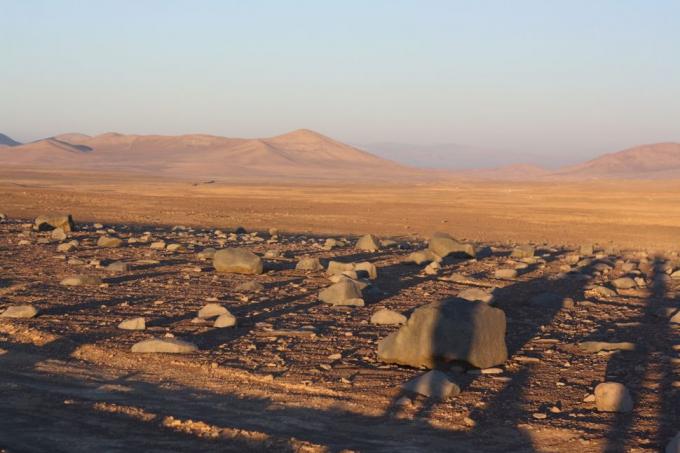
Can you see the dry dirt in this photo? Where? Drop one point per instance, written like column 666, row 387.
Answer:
column 69, row 382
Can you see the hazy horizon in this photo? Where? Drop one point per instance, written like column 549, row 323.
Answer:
column 561, row 82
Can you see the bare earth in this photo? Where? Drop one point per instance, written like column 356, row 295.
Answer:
column 69, row 382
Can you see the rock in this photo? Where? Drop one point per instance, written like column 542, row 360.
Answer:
column 164, row 345
column 19, row 311
column 603, row 291
column 675, row 319
column 432, row 268
column 67, row 246
column 157, row 245
column 368, row 268
column 368, row 243
column 118, row 266
column 420, row 257
column 309, row 264
column 49, row 223
column 597, row 346
column 211, row 311
column 330, row 244
column 58, row 234
column 441, row 244
column 345, row 292
column 523, row 251
column 586, row 249
column 336, row 267
column 175, row 248
column 476, row 294
column 674, row 444
column 109, row 242
column 3, row 217
column 225, row 320
column 505, row 274
column 613, row 397
column 433, row 384
column 237, row 261
column 387, row 317
column 133, row 324
column 81, row 280
column 249, row 287
column 452, row 329
column 623, row 283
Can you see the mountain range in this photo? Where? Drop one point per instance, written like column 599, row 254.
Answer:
column 302, row 154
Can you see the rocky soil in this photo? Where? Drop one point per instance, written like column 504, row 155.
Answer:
column 287, row 372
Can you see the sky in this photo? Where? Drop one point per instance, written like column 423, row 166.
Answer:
column 558, row 79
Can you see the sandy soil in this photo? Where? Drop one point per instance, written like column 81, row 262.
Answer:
column 70, row 383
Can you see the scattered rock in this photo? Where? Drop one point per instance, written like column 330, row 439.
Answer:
column 420, row 257
column 19, row 311
column 387, row 317
column 133, row 324
column 118, row 266
column 597, row 346
column 225, row 320
column 336, row 267
column 345, row 292
column 368, row 243
column 109, row 242
column 58, row 234
column 211, row 311
column 433, row 384
column 175, row 248
column 523, row 251
column 249, row 287
column 623, row 283
column 613, row 397
column 505, row 274
column 157, row 245
column 476, row 294
column 368, row 268
column 49, row 223
column 238, row 261
column 207, row 253
column 603, row 291
column 441, row 244
column 67, row 246
column 309, row 264
column 452, row 329
column 164, row 345
column 81, row 280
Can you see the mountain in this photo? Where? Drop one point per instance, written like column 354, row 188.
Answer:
column 6, row 141
column 298, row 154
column 659, row 160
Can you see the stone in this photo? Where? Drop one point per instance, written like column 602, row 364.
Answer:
column 81, row 280
column 336, row 267
column 249, row 287
column 603, row 291
column 433, row 384
column 420, row 257
column 368, row 243
column 441, row 244
column 613, row 397
column 3, row 217
column 67, row 246
column 49, row 223
column 19, row 311
column 451, row 329
column 368, row 268
column 586, row 249
column 309, row 264
column 58, row 234
column 432, row 268
column 237, row 261
column 212, row 311
column 476, row 294
column 505, row 274
column 175, row 248
column 345, row 292
column 597, row 346
column 387, row 317
column 523, row 251
column 133, row 324
column 225, row 320
column 330, row 244
column 109, row 242
column 675, row 319
column 624, row 283
column 157, row 245
column 118, row 266
column 164, row 345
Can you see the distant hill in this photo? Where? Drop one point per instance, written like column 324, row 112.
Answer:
column 6, row 141
column 298, row 154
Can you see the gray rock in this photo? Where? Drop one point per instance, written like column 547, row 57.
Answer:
column 336, row 267
column 613, row 397
column 476, row 294
column 624, row 283
column 603, row 291
column 81, row 280
column 420, row 257
column 441, row 244
column 309, row 264
column 58, row 234
column 19, row 311
column 237, row 261
column 133, row 324
column 175, row 248
column 433, row 384
column 164, row 345
column 67, row 246
column 109, row 242
column 345, row 292
column 49, row 223
column 211, row 311
column 505, row 274
column 225, row 320
column 157, row 245
column 387, row 317
column 523, row 251
column 118, row 266
column 368, row 243
column 452, row 329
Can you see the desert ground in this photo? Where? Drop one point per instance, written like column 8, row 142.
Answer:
column 296, row 374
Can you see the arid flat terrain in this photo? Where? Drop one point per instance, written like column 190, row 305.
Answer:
column 296, row 374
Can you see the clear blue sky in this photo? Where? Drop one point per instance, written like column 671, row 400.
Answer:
column 552, row 77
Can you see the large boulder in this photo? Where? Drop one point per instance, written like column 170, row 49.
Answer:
column 442, row 244
column 49, row 223
column 337, row 268
column 164, row 345
column 523, row 251
column 368, row 243
column 345, row 292
column 237, row 261
column 452, row 329
column 19, row 311
column 613, row 397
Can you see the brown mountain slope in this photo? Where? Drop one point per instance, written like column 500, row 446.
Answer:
column 299, row 154
column 6, row 140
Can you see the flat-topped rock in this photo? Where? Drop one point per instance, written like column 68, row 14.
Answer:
column 138, row 323
column 109, row 242
column 309, row 264
column 433, row 384
column 19, row 311
column 345, row 292
column 442, row 244
column 237, row 261
column 387, row 317
column 81, row 280
column 211, row 311
column 165, row 346
column 225, row 320
column 51, row 222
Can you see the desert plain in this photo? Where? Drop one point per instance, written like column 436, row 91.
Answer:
column 297, row 374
